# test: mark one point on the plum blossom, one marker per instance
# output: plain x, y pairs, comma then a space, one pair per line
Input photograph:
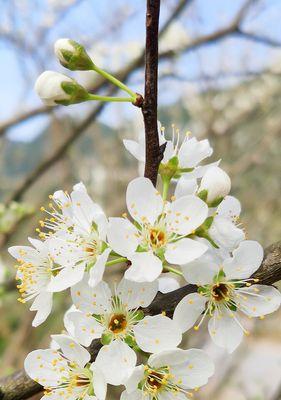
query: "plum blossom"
226, 290
66, 372
77, 235
159, 233
216, 183
115, 318
34, 270
189, 153
169, 374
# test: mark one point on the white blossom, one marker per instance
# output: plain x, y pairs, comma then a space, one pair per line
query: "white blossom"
226, 290
48, 86
35, 270
216, 182
66, 373
116, 318
169, 374
160, 230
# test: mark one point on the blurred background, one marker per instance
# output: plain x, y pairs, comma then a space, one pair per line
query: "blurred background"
219, 77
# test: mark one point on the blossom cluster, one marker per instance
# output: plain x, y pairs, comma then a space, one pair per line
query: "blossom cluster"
193, 234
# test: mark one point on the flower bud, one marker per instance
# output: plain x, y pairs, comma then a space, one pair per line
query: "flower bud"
216, 184
54, 88
72, 55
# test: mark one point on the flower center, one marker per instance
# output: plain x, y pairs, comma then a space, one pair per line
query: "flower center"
157, 237
220, 292
117, 323
155, 380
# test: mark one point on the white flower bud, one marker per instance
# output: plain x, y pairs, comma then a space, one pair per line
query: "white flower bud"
72, 55
217, 184
54, 88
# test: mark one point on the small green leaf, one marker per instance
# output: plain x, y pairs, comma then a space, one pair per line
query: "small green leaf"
203, 195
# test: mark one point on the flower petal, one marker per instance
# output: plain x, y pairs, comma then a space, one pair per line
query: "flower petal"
43, 305
144, 202
136, 294
189, 310
135, 378
225, 234
67, 277
146, 267
86, 327
230, 207
39, 365
186, 214
72, 350
97, 270
168, 283
245, 261
122, 236
192, 367
185, 186
157, 333
95, 300
136, 149
116, 361
99, 383
225, 331
193, 151
258, 300
184, 251
136, 395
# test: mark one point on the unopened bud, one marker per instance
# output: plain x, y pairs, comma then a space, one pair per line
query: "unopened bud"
216, 183
72, 55
55, 88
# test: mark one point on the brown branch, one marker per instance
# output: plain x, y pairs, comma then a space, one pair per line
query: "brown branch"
19, 386
153, 154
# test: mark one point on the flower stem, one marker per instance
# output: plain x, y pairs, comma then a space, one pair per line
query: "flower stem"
115, 81
107, 98
166, 184
173, 270
116, 261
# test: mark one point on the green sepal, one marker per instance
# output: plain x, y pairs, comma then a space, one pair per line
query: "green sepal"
202, 290
78, 59
203, 194
90, 266
76, 93
232, 307
130, 341
106, 338
168, 170
220, 276
139, 315
216, 202
97, 317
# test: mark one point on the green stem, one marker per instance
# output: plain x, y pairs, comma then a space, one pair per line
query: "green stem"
166, 184
107, 98
116, 261
173, 270
115, 81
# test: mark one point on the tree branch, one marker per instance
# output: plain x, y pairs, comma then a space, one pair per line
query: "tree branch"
153, 154
19, 386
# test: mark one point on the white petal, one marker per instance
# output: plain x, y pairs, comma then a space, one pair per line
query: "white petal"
186, 214
225, 331
95, 300
144, 202
40, 246
136, 149
122, 236
169, 151
245, 261
216, 182
26, 253
43, 305
67, 277
230, 207
68, 324
136, 395
135, 378
192, 151
185, 187
202, 270
193, 367
189, 310
258, 300
99, 383
64, 252
168, 283
86, 328
184, 251
199, 171
97, 271
157, 333
39, 365
146, 267
225, 234
72, 350
136, 294
116, 361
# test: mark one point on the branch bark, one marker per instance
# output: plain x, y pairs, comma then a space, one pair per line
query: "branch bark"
19, 386
153, 153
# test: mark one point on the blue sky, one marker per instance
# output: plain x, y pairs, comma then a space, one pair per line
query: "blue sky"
88, 22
